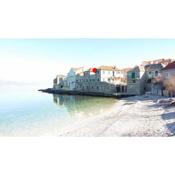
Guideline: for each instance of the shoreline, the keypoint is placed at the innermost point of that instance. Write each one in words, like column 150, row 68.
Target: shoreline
column 84, row 93
column 137, row 116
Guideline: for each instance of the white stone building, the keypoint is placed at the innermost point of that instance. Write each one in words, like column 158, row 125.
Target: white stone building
column 72, row 77
column 105, row 79
column 59, row 82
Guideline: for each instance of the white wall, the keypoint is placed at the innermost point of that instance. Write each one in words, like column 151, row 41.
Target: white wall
column 71, row 79
column 105, row 74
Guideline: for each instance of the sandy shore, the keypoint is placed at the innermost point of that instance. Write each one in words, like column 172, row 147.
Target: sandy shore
column 132, row 116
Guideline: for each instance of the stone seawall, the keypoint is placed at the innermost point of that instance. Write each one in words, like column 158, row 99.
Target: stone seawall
column 71, row 92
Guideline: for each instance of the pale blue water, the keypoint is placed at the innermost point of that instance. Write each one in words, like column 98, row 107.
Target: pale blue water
column 26, row 112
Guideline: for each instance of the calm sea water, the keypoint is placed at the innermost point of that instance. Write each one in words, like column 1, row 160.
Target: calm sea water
column 24, row 111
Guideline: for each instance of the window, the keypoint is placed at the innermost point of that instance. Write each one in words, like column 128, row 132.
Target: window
column 133, row 75
column 97, row 87
column 133, row 81
column 156, row 73
column 122, row 88
column 109, row 79
column 98, row 79
column 149, row 81
column 118, row 88
column 103, row 72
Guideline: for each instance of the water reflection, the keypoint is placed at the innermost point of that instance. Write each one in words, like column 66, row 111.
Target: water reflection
column 84, row 106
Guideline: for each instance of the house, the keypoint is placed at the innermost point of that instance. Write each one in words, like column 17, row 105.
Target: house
column 156, row 77
column 136, row 80
column 152, row 72
column 168, row 79
column 153, row 77
column 150, row 76
column 59, row 82
column 112, row 79
column 72, row 77
column 88, row 80
column 105, row 79
column 108, row 79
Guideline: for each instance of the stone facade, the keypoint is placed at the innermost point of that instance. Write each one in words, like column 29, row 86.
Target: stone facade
column 164, row 84
column 59, row 82
column 106, row 79
column 73, row 77
column 150, row 77
column 147, row 78
column 152, row 72
column 135, row 80
column 168, row 74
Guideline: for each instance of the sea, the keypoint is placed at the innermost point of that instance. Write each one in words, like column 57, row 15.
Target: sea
column 25, row 111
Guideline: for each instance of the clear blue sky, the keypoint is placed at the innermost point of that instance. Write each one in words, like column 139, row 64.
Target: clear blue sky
column 22, row 59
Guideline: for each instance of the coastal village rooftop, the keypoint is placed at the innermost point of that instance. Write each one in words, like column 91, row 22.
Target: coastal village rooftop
column 112, row 79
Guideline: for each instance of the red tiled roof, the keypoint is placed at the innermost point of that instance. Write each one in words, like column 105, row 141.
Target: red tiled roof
column 126, row 69
column 170, row 66
column 158, row 61
column 112, row 68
